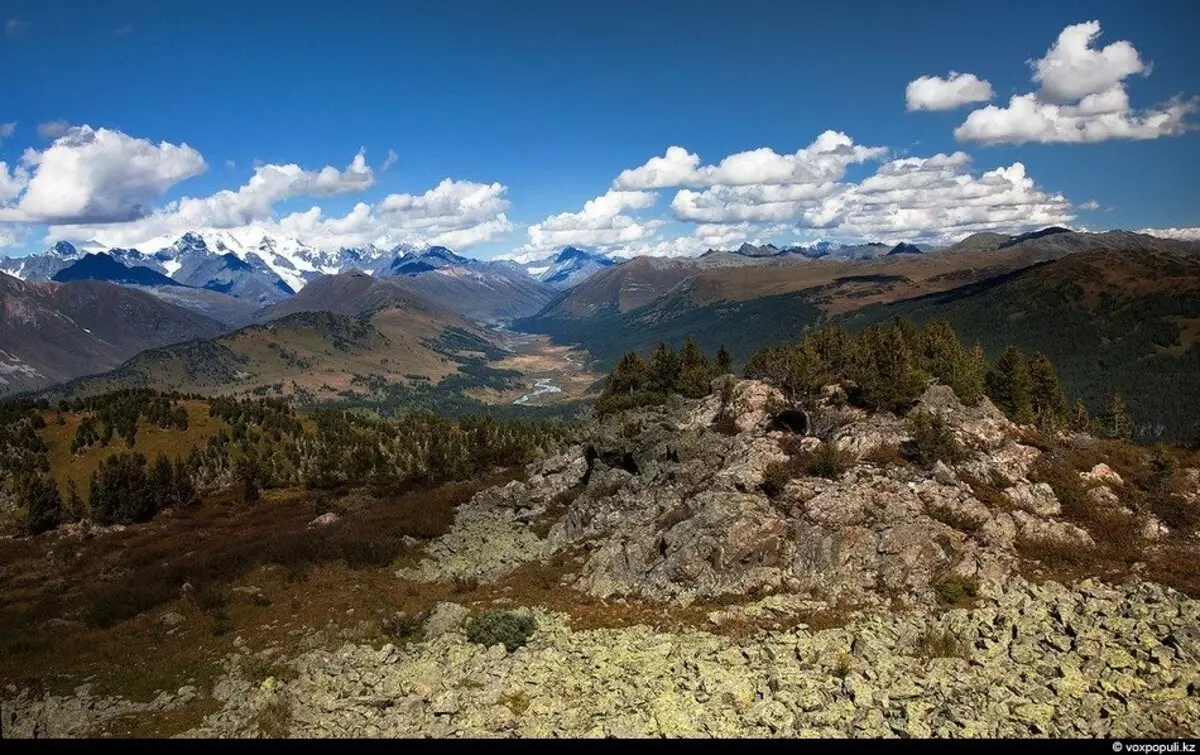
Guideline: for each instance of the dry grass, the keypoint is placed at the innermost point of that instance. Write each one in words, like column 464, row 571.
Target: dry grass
column 274, row 719
column 885, row 455
column 150, row 441
column 954, row 519
column 1148, row 489
column 956, row 591
column 940, row 643
column 989, row 492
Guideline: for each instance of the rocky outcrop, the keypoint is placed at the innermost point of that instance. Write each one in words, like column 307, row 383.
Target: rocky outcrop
column 671, row 509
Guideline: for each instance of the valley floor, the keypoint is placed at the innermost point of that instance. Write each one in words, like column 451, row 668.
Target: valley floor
column 550, row 373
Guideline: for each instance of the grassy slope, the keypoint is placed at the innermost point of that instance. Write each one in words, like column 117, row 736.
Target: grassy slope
column 315, row 353
column 150, row 441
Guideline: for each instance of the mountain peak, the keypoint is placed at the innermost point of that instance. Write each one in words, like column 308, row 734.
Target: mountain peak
column 190, row 240
column 905, row 248
column 572, row 253
column 63, row 249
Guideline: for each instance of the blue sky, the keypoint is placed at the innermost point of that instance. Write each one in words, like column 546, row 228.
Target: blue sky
column 552, row 100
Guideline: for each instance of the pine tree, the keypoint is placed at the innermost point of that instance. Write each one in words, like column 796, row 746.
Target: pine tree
column 1009, row 386
column 248, row 471
column 161, row 481
column 805, row 372
column 1048, row 401
column 971, row 383
column 1116, row 422
column 835, row 348
column 43, row 506
column 695, row 371
column 664, row 369
column 186, row 494
column 886, row 369
column 724, row 361
column 120, row 492
column 943, row 357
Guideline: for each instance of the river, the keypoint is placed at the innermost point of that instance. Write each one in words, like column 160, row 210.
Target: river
column 551, row 368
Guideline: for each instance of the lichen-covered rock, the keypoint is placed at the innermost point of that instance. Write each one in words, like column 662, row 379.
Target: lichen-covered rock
column 1043, row 660
column 1037, row 498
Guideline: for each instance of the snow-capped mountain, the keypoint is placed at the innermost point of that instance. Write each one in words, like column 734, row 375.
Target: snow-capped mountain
column 261, row 269
column 567, row 267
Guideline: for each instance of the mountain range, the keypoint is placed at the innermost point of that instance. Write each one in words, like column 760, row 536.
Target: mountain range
column 1107, row 307
column 279, row 314
column 271, row 270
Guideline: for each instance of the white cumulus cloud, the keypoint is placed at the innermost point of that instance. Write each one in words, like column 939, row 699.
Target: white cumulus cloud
column 12, row 183
column 1082, row 98
column 601, row 223
column 99, row 176
column 1097, row 118
column 914, row 198
column 826, row 159
column 11, row 236
column 1179, row 234
column 247, row 205
column 1072, row 69
column 936, row 93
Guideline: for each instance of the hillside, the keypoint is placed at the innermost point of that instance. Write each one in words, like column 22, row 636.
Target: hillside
column 483, row 295
column 312, row 356
column 839, row 285
column 1109, row 320
column 54, row 332
column 351, row 294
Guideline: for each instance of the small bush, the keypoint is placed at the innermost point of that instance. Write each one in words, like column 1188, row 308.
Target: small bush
column 933, row 441
column 209, row 598
column 956, row 590
column 1162, row 468
column 885, row 455
column 954, row 519
column 990, row 492
column 404, row 628
column 940, row 643
column 499, row 627
column 826, row 460
column 518, row 703
column 776, row 476
column 843, row 667
column 726, row 391
column 221, row 623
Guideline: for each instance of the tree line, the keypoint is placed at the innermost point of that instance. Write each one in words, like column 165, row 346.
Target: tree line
column 883, row 368
column 267, row 444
